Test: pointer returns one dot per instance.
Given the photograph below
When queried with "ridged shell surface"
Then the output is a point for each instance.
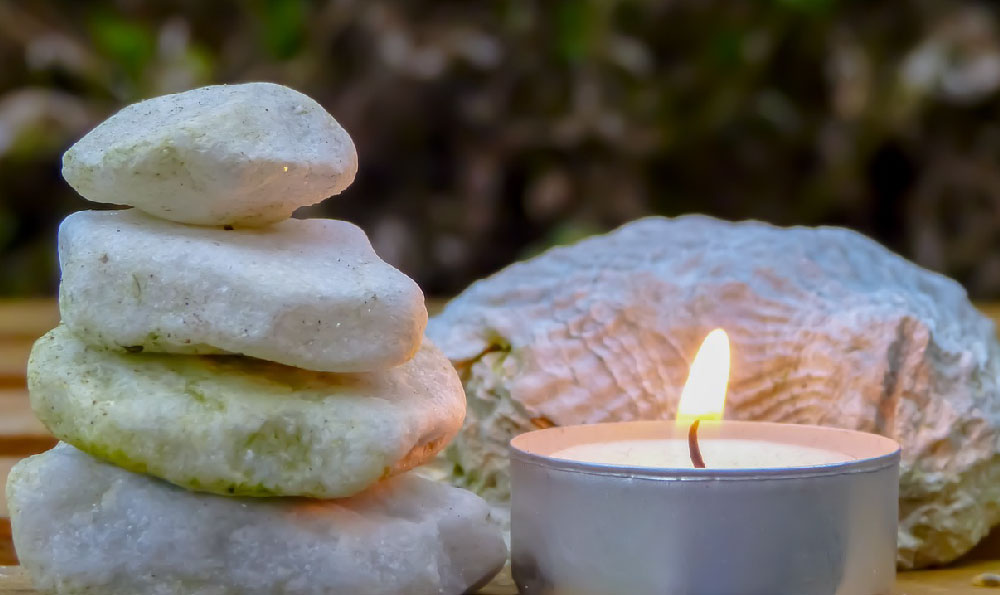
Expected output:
(827, 327)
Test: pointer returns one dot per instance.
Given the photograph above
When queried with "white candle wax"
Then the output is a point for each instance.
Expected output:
(719, 453)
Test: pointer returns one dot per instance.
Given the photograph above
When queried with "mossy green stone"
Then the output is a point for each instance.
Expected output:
(234, 425)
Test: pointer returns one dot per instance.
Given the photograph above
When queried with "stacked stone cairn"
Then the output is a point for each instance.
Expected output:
(239, 395)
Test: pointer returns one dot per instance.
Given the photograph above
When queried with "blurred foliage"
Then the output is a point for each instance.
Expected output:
(489, 130)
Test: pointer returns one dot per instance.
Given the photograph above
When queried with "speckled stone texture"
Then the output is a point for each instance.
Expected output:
(245, 155)
(235, 425)
(306, 293)
(827, 327)
(83, 526)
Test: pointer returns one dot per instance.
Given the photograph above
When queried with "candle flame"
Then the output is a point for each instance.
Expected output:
(704, 394)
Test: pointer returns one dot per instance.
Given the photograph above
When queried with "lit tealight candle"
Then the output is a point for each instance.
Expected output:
(703, 506)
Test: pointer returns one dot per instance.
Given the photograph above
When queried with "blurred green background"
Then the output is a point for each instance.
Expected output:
(490, 130)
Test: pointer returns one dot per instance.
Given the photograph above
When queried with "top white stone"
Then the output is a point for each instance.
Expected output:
(245, 155)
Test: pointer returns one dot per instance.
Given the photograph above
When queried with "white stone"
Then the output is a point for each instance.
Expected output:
(235, 425)
(827, 328)
(243, 155)
(83, 526)
(311, 294)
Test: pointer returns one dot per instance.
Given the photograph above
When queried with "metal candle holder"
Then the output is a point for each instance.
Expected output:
(590, 529)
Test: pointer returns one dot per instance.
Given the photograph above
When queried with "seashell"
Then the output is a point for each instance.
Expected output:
(827, 326)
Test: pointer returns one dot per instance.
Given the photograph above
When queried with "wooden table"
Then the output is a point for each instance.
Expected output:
(21, 322)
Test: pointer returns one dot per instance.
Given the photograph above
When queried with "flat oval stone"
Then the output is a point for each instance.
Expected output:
(238, 426)
(245, 155)
(306, 293)
(83, 526)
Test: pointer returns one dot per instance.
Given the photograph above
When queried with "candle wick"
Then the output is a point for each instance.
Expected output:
(696, 460)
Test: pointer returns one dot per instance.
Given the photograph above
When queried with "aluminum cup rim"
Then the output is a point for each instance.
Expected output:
(864, 465)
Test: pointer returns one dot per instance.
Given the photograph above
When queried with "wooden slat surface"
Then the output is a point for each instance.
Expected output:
(20, 435)
(13, 581)
(953, 581)
(17, 418)
(13, 357)
(28, 318)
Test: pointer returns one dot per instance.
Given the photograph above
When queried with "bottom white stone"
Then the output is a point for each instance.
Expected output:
(83, 526)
